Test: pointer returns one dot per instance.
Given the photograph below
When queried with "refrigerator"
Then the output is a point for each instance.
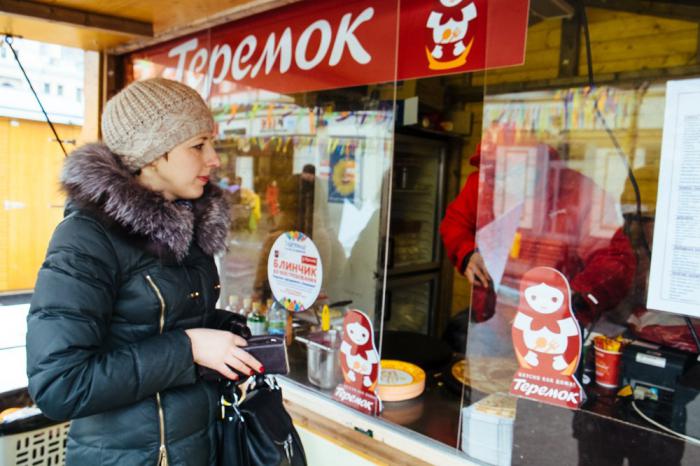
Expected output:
(416, 300)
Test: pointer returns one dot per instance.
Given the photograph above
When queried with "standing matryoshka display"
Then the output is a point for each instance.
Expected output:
(359, 361)
(546, 340)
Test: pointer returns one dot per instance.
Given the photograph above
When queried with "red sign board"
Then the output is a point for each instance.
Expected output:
(322, 45)
(546, 340)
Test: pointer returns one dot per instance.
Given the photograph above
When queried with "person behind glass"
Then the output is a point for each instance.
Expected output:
(122, 319)
(272, 195)
(458, 231)
(599, 267)
(305, 199)
(295, 211)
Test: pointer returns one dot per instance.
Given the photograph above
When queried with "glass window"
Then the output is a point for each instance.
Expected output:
(300, 152)
(566, 182)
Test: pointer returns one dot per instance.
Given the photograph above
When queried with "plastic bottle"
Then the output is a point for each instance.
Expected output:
(256, 320)
(325, 318)
(232, 305)
(276, 319)
(247, 307)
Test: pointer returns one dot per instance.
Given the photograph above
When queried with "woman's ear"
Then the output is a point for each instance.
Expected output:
(149, 169)
(153, 166)
(148, 175)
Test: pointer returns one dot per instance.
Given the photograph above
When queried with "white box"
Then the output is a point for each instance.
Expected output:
(487, 429)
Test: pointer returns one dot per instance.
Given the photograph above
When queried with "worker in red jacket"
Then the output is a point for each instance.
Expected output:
(564, 234)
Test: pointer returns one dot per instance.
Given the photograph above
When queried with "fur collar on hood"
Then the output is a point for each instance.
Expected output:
(95, 178)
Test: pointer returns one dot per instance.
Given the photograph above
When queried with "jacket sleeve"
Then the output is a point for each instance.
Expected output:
(607, 274)
(221, 319)
(608, 261)
(71, 372)
(458, 228)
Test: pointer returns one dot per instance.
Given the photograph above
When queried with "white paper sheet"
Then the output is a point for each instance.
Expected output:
(674, 279)
(495, 240)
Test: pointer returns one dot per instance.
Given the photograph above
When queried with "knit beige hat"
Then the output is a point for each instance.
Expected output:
(148, 118)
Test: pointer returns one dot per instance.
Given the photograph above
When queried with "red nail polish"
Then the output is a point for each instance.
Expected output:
(251, 372)
(262, 369)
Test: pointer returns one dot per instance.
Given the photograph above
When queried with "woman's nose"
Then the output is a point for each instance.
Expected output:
(212, 158)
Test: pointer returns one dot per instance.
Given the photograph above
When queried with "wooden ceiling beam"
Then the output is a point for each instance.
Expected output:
(664, 9)
(617, 79)
(74, 17)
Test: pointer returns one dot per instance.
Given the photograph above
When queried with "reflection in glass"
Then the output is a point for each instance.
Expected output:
(315, 169)
(554, 184)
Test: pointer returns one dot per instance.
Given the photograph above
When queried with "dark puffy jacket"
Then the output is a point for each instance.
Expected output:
(126, 272)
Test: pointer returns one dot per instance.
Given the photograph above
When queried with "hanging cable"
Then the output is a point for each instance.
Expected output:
(623, 156)
(8, 40)
(613, 138)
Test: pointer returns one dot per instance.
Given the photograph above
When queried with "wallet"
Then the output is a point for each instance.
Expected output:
(271, 351)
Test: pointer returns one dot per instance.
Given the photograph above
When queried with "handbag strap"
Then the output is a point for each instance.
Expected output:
(230, 403)
(230, 395)
(260, 380)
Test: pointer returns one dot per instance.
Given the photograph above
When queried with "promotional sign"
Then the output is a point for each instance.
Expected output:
(294, 271)
(546, 340)
(325, 45)
(359, 361)
(343, 171)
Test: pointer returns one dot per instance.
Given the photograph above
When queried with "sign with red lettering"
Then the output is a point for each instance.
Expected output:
(324, 45)
(546, 340)
(359, 361)
(295, 271)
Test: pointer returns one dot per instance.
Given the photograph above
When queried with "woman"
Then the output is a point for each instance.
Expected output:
(123, 309)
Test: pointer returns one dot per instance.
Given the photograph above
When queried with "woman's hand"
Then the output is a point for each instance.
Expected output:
(476, 271)
(221, 350)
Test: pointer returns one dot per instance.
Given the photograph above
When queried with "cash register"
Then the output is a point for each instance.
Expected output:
(668, 382)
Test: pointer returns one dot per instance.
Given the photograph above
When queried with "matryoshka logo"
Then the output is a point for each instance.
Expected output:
(449, 24)
(359, 362)
(546, 340)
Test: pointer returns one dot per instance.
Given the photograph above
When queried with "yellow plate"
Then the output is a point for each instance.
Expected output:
(400, 380)
(399, 373)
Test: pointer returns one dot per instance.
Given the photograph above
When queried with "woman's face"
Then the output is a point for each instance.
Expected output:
(185, 171)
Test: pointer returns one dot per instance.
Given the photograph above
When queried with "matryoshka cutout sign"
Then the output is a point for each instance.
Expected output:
(359, 361)
(546, 340)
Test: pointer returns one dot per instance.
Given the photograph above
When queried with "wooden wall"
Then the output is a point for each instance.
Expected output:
(628, 42)
(32, 204)
(620, 42)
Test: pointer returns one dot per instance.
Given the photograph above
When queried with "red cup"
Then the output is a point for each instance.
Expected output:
(607, 367)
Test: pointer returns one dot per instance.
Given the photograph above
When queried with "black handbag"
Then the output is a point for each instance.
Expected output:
(257, 430)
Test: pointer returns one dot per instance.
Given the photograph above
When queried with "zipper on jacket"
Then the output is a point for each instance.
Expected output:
(162, 451)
